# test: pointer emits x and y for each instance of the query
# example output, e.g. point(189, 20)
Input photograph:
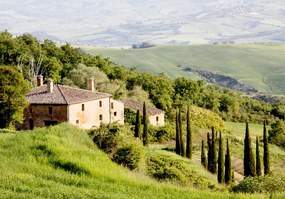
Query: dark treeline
point(33, 57)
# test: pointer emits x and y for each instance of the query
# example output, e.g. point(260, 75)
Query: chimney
point(40, 80)
point(90, 84)
point(50, 86)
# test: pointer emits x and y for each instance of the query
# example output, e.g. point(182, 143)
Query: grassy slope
point(261, 66)
point(62, 162)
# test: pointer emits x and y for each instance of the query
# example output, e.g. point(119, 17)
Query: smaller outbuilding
point(156, 116)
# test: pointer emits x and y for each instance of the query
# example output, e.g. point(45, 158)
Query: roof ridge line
point(58, 86)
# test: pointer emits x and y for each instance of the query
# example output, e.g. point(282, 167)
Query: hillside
point(63, 162)
point(127, 22)
point(257, 65)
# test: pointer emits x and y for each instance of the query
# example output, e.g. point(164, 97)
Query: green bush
point(162, 133)
point(277, 133)
point(262, 184)
point(129, 156)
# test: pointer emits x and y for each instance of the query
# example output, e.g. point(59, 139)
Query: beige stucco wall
point(40, 113)
point(117, 111)
point(153, 119)
point(90, 117)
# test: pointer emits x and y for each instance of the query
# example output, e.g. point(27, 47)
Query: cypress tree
point(145, 126)
point(209, 142)
point(258, 164)
point(228, 165)
point(203, 156)
point(177, 137)
point(248, 161)
point(189, 136)
point(221, 163)
point(214, 152)
point(138, 125)
point(266, 159)
point(182, 146)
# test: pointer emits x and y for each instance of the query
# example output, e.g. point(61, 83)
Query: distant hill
point(127, 22)
point(258, 66)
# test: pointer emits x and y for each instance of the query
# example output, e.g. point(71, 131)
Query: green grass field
point(63, 162)
point(259, 65)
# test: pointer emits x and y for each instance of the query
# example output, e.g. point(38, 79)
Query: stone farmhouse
point(51, 104)
point(155, 116)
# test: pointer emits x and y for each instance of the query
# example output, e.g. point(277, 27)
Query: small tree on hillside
point(177, 137)
point(182, 146)
point(203, 156)
point(221, 163)
point(258, 164)
point(214, 153)
point(266, 159)
point(145, 126)
point(138, 125)
point(228, 165)
point(209, 142)
point(248, 161)
point(189, 136)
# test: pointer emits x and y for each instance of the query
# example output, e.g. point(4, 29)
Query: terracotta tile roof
point(62, 95)
point(132, 104)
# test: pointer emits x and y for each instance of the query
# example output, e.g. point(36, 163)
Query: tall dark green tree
point(221, 163)
point(266, 158)
point(145, 126)
point(249, 160)
point(258, 164)
point(138, 125)
point(188, 136)
point(209, 142)
point(182, 146)
point(203, 156)
point(177, 137)
point(228, 165)
point(214, 152)
point(13, 88)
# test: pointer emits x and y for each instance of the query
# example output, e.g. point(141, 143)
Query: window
point(100, 103)
point(77, 121)
point(50, 110)
point(83, 107)
point(31, 110)
point(157, 118)
point(115, 113)
point(100, 117)
point(112, 105)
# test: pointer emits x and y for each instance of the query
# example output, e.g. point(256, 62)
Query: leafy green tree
point(145, 126)
point(248, 161)
point(13, 88)
point(203, 156)
point(228, 165)
point(188, 136)
point(221, 163)
point(277, 133)
point(266, 157)
point(138, 125)
point(8, 49)
point(258, 164)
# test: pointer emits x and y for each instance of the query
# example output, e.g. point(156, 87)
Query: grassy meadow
point(259, 65)
point(63, 162)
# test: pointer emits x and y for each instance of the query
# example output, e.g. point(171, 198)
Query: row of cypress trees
point(252, 165)
point(144, 136)
point(220, 165)
point(179, 144)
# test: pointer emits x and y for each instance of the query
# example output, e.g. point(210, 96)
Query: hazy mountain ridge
point(124, 22)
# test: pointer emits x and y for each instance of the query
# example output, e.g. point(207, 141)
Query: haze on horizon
point(125, 22)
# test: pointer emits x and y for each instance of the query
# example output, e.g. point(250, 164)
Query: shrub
point(129, 156)
point(262, 184)
point(277, 134)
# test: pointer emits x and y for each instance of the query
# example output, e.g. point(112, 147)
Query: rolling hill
point(258, 65)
